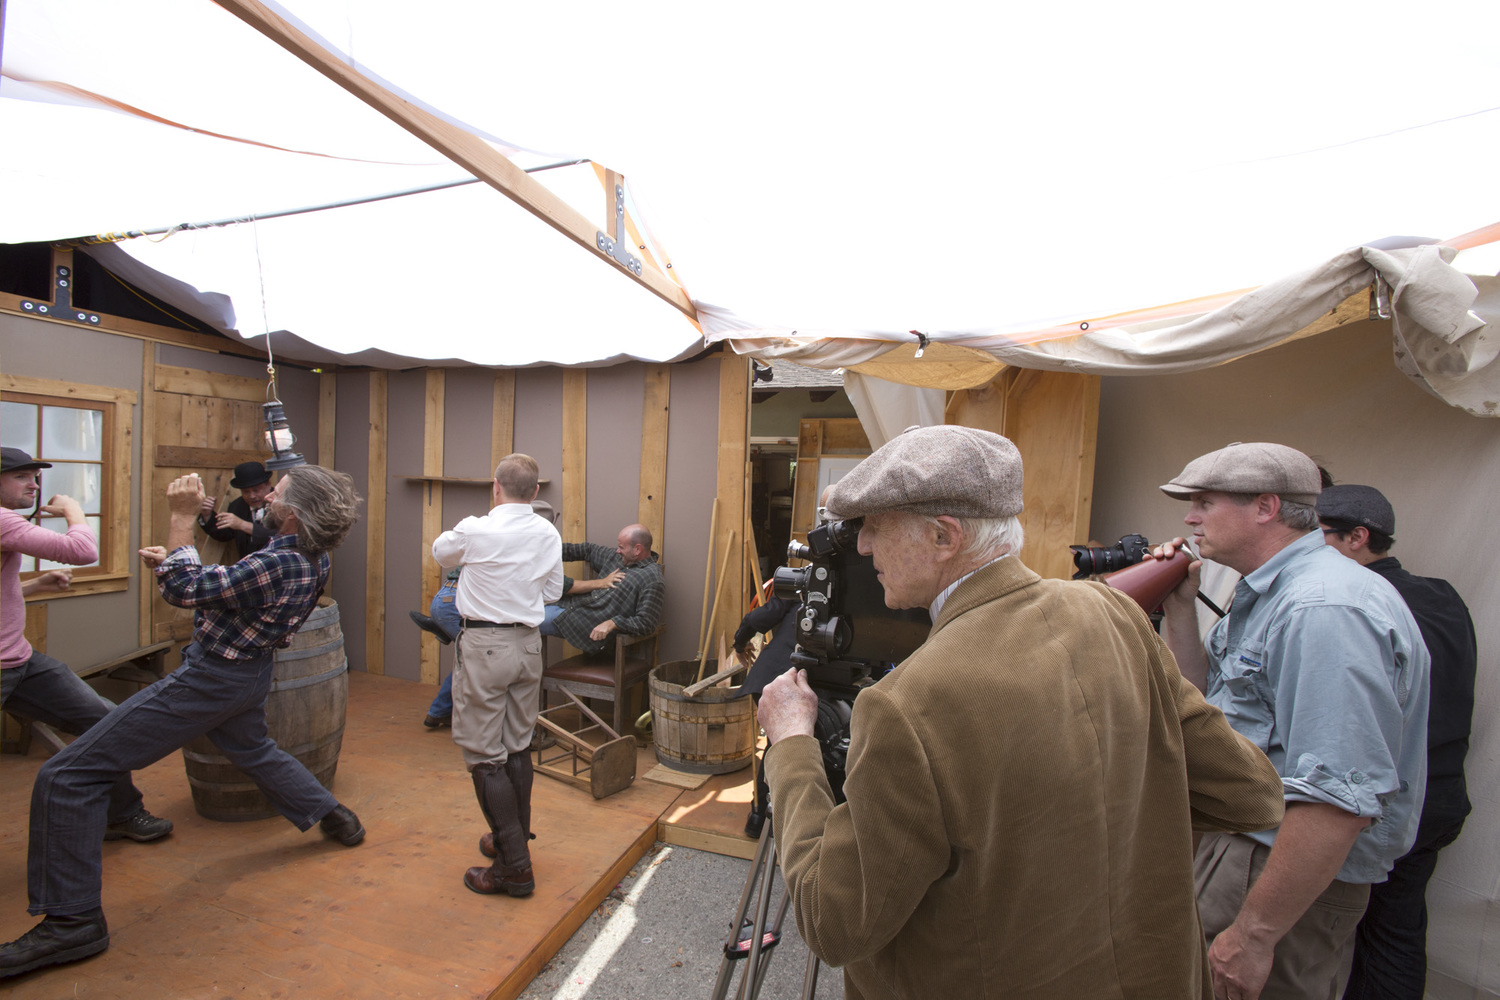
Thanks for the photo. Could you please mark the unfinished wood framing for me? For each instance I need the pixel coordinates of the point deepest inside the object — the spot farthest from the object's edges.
(214, 385)
(138, 329)
(432, 509)
(147, 589)
(733, 494)
(328, 398)
(202, 422)
(1053, 419)
(375, 528)
(652, 509)
(575, 454)
(841, 437)
(503, 418)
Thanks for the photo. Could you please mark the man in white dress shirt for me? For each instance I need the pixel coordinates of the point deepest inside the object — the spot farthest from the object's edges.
(512, 564)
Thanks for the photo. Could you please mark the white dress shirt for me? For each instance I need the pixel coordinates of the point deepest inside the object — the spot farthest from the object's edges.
(512, 562)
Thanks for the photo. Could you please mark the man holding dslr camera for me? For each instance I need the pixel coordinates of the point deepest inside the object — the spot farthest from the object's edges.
(1022, 790)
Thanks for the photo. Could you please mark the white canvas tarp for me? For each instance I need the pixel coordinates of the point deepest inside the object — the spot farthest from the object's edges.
(993, 178)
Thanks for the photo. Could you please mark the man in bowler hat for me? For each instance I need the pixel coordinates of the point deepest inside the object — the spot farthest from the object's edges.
(241, 522)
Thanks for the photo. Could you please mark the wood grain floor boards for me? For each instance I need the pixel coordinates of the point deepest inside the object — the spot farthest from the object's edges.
(260, 910)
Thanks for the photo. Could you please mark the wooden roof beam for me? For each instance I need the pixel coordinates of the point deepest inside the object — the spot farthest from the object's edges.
(467, 150)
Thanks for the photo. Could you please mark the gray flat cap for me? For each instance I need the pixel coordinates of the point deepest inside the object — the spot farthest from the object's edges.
(959, 471)
(1358, 505)
(1250, 468)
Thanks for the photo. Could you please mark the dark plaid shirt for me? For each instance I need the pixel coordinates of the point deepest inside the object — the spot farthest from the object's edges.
(634, 603)
(246, 610)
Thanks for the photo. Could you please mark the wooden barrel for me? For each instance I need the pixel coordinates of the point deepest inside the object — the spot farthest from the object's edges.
(709, 733)
(304, 713)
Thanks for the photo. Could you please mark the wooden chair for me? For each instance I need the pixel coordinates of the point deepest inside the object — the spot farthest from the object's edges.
(608, 675)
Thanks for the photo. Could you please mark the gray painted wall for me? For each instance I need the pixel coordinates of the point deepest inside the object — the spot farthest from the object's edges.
(615, 400)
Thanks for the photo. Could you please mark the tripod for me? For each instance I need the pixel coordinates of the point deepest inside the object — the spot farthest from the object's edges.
(748, 940)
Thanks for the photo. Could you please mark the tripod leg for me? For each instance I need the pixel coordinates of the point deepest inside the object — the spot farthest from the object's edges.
(766, 956)
(726, 964)
(810, 978)
(750, 984)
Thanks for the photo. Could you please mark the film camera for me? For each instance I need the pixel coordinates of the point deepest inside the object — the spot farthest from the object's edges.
(846, 637)
(1092, 560)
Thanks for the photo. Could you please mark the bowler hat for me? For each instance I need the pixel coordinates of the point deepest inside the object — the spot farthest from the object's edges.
(249, 474)
(14, 458)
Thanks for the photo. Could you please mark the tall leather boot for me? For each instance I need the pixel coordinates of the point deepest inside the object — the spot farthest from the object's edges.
(486, 842)
(511, 872)
(519, 770)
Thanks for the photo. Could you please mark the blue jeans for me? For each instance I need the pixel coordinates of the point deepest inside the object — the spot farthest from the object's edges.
(445, 613)
(48, 691)
(225, 699)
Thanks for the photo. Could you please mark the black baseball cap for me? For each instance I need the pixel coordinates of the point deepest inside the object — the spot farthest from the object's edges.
(14, 458)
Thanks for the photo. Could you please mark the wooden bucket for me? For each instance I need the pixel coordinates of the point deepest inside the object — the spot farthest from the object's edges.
(710, 733)
(304, 713)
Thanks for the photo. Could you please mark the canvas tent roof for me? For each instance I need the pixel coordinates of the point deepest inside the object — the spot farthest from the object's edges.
(993, 178)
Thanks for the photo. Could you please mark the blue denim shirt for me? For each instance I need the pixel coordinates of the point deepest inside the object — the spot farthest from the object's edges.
(1320, 664)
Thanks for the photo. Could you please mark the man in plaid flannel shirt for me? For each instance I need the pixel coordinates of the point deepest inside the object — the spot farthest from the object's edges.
(243, 613)
(626, 593)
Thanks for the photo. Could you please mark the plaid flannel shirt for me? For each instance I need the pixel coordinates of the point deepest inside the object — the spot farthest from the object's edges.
(634, 603)
(246, 610)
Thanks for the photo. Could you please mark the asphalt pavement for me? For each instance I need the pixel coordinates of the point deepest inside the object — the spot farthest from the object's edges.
(661, 933)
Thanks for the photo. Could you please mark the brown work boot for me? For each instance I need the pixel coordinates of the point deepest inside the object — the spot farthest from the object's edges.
(499, 878)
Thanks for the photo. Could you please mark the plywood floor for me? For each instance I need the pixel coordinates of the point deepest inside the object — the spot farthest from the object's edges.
(260, 910)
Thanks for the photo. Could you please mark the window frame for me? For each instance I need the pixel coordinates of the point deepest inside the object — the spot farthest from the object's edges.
(113, 572)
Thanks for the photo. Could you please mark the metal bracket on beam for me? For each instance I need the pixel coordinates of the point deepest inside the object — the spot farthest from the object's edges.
(1380, 308)
(615, 249)
(61, 306)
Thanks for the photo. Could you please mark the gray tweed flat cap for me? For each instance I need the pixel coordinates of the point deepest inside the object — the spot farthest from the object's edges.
(959, 471)
(1250, 468)
(1358, 505)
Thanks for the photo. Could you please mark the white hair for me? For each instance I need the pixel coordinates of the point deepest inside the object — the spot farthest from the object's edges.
(985, 538)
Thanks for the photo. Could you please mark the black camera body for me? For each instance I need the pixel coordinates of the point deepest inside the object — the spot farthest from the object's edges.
(846, 636)
(1093, 560)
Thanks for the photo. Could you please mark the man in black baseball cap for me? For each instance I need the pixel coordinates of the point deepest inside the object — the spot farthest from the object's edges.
(241, 522)
(33, 684)
(1390, 944)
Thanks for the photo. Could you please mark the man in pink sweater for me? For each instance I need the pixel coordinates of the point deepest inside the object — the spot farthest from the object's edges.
(33, 684)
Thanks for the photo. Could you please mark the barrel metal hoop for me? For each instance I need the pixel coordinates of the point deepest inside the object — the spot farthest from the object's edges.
(292, 683)
(304, 652)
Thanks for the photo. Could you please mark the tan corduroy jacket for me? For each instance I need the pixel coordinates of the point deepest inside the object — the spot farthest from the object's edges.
(1022, 793)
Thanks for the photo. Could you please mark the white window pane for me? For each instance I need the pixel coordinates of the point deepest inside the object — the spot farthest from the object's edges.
(28, 563)
(18, 426)
(72, 433)
(60, 525)
(83, 483)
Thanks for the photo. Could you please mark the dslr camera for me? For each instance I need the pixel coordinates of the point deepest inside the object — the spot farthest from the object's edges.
(1092, 560)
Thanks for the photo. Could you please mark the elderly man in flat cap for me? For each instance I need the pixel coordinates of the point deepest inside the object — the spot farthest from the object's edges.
(1390, 946)
(1320, 664)
(1022, 790)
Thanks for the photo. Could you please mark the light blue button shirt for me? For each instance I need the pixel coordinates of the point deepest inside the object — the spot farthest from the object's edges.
(1321, 665)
